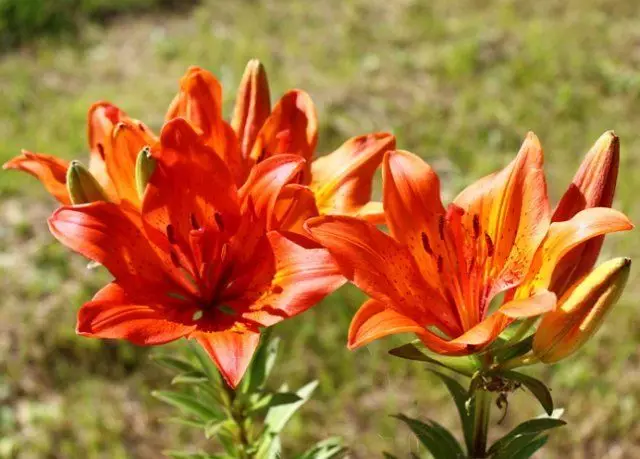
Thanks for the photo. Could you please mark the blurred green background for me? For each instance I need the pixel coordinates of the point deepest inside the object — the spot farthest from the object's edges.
(458, 82)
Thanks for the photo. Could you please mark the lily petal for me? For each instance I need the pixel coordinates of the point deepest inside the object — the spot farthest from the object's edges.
(103, 232)
(305, 274)
(265, 182)
(232, 351)
(295, 205)
(199, 101)
(374, 321)
(488, 330)
(191, 185)
(112, 314)
(51, 172)
(253, 105)
(342, 180)
(564, 236)
(514, 213)
(382, 268)
(412, 206)
(127, 139)
(292, 127)
(101, 121)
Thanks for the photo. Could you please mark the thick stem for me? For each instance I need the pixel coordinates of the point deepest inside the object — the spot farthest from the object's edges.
(481, 423)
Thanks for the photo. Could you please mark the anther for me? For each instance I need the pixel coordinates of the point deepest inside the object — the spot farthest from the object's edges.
(472, 264)
(425, 243)
(194, 222)
(174, 258)
(276, 289)
(441, 227)
(218, 218)
(489, 242)
(171, 235)
(476, 226)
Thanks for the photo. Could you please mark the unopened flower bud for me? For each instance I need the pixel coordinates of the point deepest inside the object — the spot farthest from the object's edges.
(82, 186)
(253, 105)
(581, 311)
(594, 185)
(145, 165)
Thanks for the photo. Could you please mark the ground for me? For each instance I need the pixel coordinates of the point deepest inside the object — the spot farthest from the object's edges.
(459, 83)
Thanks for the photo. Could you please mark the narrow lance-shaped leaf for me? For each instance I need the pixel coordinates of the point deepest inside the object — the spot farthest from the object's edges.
(189, 404)
(465, 410)
(522, 448)
(536, 387)
(531, 428)
(465, 365)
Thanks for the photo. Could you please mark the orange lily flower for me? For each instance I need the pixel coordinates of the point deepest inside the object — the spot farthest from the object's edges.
(338, 183)
(114, 143)
(197, 261)
(437, 272)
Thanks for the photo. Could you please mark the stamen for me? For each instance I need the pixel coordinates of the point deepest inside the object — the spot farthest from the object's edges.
(441, 227)
(490, 247)
(440, 261)
(226, 309)
(472, 264)
(176, 296)
(425, 243)
(476, 226)
(194, 222)
(276, 289)
(218, 218)
(174, 258)
(171, 235)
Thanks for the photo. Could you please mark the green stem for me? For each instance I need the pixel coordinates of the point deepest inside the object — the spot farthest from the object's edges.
(481, 423)
(244, 441)
(522, 330)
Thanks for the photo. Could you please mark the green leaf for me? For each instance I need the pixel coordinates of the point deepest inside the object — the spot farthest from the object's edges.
(438, 440)
(186, 455)
(465, 365)
(191, 377)
(207, 364)
(261, 366)
(278, 416)
(189, 404)
(536, 387)
(465, 410)
(216, 426)
(532, 428)
(173, 363)
(522, 447)
(198, 424)
(326, 449)
(273, 399)
(388, 456)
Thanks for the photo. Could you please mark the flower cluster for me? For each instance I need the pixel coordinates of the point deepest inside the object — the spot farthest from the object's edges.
(214, 230)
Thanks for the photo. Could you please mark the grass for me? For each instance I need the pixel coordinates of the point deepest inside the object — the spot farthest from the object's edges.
(458, 83)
